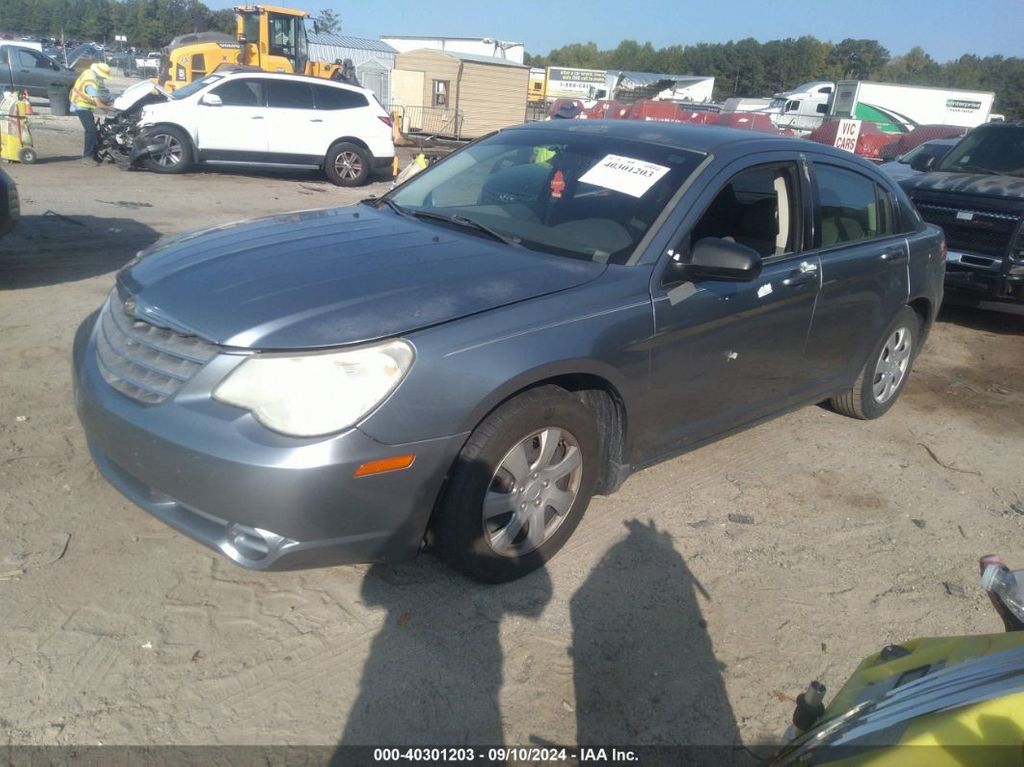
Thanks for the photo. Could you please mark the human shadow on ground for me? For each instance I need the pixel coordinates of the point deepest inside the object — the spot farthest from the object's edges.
(434, 672)
(53, 248)
(644, 666)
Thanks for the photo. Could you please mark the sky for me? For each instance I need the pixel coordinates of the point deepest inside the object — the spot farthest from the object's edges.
(946, 29)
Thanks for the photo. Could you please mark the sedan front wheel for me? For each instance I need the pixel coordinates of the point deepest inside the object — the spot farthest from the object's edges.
(520, 486)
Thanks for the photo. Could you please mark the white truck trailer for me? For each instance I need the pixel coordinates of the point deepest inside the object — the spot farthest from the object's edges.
(901, 108)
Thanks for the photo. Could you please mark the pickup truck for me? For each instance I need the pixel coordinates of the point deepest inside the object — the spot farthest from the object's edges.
(976, 194)
(25, 69)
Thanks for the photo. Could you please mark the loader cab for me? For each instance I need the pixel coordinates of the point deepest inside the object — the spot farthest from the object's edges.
(273, 39)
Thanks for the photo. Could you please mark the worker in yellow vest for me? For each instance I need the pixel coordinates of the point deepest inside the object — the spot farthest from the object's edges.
(86, 98)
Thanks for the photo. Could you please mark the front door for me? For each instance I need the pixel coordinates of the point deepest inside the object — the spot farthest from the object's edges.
(726, 353)
(236, 129)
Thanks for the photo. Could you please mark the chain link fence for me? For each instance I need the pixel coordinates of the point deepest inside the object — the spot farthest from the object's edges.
(427, 122)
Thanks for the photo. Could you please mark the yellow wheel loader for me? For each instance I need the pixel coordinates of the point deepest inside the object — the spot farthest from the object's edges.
(267, 37)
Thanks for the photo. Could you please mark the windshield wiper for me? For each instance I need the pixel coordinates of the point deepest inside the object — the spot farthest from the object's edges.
(466, 223)
(376, 202)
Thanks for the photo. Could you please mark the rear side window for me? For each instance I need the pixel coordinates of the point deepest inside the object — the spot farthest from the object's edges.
(338, 98)
(240, 93)
(286, 94)
(853, 207)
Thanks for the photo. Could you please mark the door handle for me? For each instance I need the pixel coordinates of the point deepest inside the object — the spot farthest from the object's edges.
(316, 120)
(805, 273)
(894, 256)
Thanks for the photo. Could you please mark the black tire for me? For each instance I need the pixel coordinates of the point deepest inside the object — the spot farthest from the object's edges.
(464, 540)
(864, 400)
(175, 155)
(348, 165)
(27, 155)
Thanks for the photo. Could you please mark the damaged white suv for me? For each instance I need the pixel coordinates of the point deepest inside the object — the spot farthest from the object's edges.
(268, 118)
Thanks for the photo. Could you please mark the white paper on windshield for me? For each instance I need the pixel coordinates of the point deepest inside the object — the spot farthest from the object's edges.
(624, 174)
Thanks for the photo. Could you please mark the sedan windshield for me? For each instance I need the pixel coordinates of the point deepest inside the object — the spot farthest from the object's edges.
(576, 194)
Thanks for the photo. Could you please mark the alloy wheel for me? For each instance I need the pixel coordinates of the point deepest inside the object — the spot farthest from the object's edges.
(171, 151)
(891, 368)
(348, 165)
(532, 491)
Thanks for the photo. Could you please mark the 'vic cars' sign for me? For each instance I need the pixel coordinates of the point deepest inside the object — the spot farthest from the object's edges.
(846, 136)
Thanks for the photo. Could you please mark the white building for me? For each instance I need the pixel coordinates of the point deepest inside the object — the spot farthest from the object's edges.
(372, 59)
(474, 46)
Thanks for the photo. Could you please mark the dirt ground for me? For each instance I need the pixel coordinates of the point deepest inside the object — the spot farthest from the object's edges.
(690, 607)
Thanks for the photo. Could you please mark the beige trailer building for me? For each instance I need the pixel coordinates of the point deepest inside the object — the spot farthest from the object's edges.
(485, 92)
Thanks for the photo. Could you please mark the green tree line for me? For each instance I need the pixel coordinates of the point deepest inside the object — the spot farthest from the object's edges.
(751, 68)
(146, 23)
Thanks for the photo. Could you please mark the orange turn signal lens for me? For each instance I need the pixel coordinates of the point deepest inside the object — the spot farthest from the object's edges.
(384, 465)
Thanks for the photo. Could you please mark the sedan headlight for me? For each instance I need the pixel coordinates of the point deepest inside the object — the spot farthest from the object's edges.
(309, 395)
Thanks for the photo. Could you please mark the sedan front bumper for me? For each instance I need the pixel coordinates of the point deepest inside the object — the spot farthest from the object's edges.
(264, 500)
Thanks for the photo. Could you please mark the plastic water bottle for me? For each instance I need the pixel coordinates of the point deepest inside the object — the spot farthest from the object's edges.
(1000, 580)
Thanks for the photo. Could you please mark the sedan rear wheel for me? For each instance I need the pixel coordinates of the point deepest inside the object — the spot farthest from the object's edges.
(520, 486)
(885, 373)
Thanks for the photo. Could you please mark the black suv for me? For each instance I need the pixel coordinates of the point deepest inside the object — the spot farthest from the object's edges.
(976, 194)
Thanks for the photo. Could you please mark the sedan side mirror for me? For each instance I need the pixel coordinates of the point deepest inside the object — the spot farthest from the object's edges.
(716, 259)
(212, 100)
(922, 163)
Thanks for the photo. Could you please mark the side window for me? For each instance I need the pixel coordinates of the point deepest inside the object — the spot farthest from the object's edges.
(853, 207)
(30, 60)
(440, 91)
(338, 98)
(240, 93)
(287, 94)
(757, 209)
(282, 34)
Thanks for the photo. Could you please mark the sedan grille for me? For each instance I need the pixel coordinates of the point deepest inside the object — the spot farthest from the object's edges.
(972, 229)
(143, 361)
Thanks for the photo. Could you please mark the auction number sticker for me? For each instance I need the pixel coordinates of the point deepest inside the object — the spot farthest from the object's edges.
(624, 174)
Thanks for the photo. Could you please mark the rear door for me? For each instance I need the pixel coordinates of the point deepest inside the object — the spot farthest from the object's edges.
(236, 129)
(864, 268)
(294, 127)
(725, 353)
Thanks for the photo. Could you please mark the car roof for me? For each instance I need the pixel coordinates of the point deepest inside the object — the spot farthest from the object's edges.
(701, 138)
(242, 71)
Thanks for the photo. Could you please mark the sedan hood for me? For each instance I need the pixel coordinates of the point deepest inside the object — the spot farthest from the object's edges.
(323, 278)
